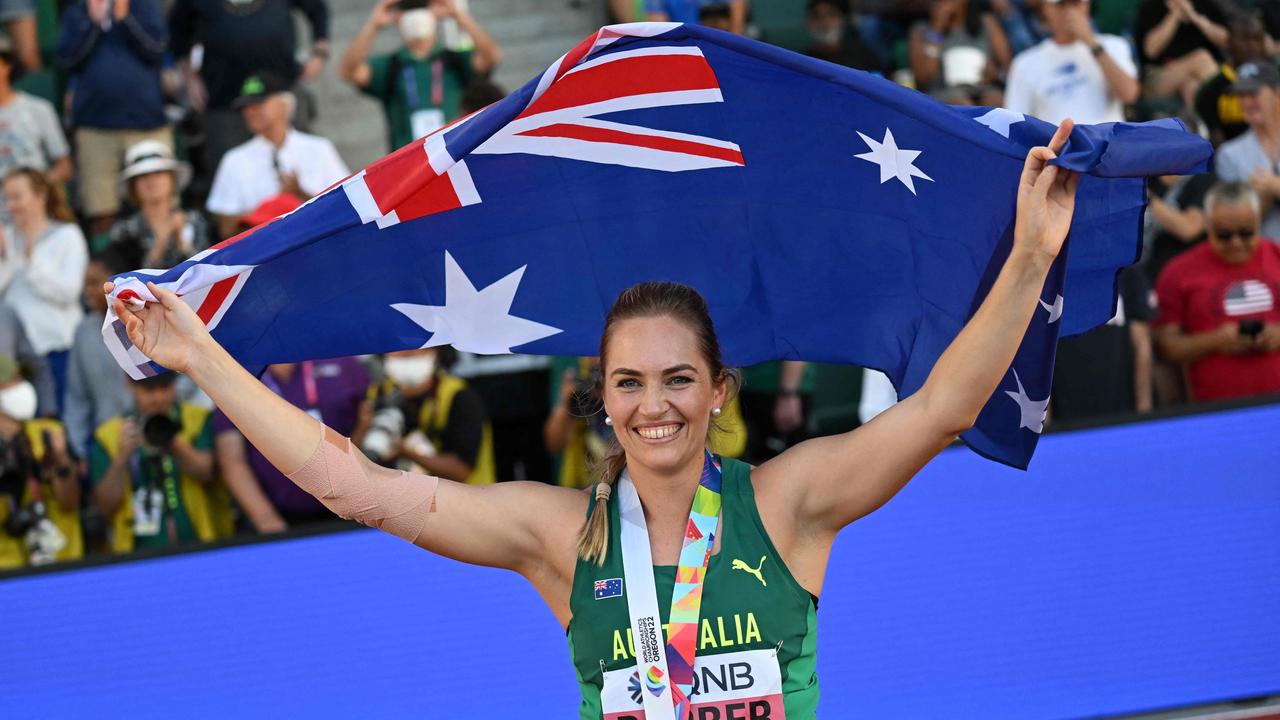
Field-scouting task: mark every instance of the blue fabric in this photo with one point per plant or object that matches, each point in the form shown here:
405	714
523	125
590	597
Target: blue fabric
799	246
116	71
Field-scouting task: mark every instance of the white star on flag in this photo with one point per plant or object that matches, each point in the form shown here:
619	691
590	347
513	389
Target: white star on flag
999	120
1032	411
476	321
894	163
1055	310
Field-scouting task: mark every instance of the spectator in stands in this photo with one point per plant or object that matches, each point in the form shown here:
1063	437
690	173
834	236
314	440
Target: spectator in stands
19	17
1108	370
421	84
1218	310
152	471
831	37
1181	43
1020	20
1252	157
447	433
514	391
960	46
14	344
777	399
160	234
332	391
114	49
1075	73
40	520
1175	218
277	160
42	261
95	384
240	39
688	11
575	431
30	134
1215	104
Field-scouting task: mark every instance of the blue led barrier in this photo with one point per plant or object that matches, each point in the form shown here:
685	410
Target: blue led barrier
1134	567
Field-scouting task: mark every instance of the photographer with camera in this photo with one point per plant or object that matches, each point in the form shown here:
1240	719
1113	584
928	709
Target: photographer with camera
423	419
420	85
153	471
1219	310
39	491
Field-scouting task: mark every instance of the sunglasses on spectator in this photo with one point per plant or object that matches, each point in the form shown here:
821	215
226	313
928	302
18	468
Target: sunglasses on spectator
1245	233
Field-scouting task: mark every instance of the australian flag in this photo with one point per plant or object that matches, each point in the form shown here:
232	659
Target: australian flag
608	588
825	214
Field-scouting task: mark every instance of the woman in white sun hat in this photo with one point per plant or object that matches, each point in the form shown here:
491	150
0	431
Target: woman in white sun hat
161	233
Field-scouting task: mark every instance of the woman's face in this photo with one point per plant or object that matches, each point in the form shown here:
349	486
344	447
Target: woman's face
24	203
659	392
153	186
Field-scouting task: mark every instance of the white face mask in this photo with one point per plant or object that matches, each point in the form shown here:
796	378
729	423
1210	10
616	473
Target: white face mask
410	371
19	401
418	24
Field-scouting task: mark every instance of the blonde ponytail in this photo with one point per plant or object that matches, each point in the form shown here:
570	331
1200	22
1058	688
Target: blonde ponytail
593	540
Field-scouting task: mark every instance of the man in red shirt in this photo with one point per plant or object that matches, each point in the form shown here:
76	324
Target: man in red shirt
1219	309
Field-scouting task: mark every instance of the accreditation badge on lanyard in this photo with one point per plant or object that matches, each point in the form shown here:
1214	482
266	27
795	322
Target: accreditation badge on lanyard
424	121
665	670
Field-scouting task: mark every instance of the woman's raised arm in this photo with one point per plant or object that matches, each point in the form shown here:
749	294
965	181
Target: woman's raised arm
827	483
510	525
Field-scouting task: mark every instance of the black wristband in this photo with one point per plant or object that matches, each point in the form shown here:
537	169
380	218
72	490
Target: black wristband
1097	50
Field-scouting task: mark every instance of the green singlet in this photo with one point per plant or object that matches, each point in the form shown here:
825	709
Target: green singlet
757	639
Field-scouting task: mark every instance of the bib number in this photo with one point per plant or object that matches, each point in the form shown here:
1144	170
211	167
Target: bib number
426	121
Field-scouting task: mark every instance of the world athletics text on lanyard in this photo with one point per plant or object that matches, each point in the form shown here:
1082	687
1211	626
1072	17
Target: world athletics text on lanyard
652	659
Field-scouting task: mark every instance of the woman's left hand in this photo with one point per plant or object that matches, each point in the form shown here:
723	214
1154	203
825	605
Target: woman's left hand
1046	200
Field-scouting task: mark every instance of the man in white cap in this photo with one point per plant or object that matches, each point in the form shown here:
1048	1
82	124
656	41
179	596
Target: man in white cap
420	85
1074	73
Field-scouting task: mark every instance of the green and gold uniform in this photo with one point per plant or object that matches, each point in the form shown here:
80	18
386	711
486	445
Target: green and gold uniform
753	613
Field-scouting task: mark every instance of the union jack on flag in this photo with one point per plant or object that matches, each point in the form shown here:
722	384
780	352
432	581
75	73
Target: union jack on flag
825	215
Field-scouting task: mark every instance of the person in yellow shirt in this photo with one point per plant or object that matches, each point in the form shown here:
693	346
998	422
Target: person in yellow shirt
39	492
153	471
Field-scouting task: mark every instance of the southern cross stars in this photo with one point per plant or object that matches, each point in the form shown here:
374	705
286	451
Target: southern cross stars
894	163
1031	412
476	321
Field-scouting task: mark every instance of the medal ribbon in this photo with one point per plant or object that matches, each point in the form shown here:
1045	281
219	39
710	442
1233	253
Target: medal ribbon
673	668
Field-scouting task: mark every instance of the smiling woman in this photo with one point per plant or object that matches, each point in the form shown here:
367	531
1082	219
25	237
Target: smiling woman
693	581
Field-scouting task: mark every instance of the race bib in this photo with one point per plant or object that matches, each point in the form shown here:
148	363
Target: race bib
746	685
424	122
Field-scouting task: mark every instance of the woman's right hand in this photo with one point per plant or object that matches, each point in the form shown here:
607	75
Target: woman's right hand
168	332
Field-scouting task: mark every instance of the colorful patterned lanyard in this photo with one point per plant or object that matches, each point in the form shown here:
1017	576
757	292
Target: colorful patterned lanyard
686	594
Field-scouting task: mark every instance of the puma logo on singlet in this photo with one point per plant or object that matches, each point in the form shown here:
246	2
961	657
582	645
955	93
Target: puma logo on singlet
739	565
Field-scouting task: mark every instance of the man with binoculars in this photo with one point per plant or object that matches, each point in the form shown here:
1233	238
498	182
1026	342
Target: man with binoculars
153	472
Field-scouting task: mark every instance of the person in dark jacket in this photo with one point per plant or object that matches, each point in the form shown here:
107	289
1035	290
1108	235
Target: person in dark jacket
113	51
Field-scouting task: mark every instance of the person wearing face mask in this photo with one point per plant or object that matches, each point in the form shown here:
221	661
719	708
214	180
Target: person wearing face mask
421	84
331	391
39	491
424	419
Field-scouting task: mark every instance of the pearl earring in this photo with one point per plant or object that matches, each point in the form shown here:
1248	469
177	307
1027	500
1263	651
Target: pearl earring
715	412
608	420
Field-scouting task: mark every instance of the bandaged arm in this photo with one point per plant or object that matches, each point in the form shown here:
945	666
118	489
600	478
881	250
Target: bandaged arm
339	476
315	457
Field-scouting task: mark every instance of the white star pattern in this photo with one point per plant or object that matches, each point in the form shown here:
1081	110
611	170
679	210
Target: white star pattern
999	120
1032	411
1055	310
476	321
894	163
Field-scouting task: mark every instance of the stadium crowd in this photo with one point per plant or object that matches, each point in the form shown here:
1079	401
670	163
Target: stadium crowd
136	135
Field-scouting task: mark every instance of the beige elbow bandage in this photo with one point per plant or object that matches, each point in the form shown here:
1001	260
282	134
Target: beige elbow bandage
335	474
